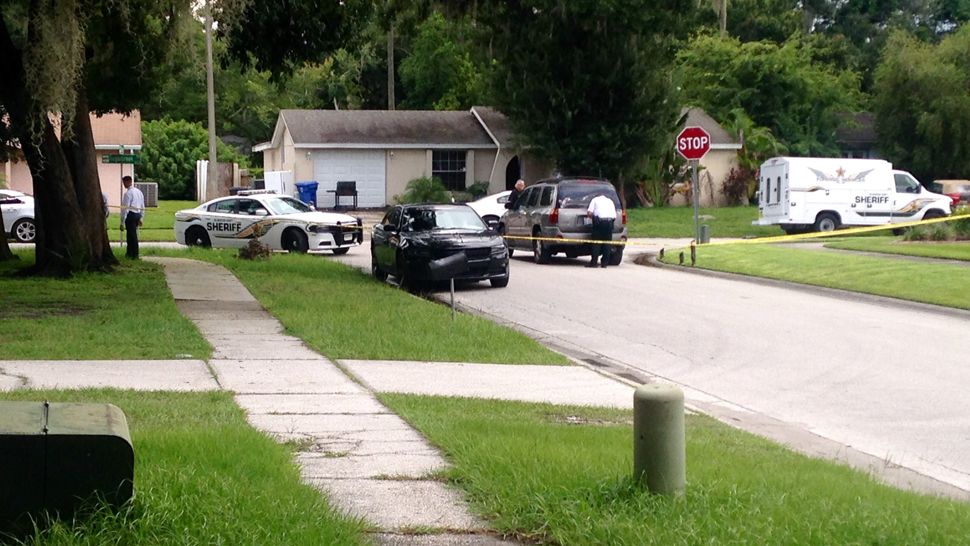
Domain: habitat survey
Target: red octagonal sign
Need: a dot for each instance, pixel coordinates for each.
(693, 142)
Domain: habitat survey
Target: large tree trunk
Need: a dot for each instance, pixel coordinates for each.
(65, 242)
(83, 162)
(5, 253)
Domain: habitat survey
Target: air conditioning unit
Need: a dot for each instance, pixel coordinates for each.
(150, 190)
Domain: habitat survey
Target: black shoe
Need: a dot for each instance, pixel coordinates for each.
(603, 265)
(591, 264)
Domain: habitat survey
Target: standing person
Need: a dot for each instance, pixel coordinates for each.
(104, 204)
(132, 211)
(516, 192)
(603, 212)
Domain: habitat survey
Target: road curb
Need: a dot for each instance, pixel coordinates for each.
(838, 293)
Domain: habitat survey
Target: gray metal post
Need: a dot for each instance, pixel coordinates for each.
(659, 441)
(695, 189)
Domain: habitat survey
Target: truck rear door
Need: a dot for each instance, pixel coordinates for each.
(773, 195)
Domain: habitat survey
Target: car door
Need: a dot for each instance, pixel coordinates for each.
(252, 216)
(517, 219)
(223, 223)
(907, 191)
(384, 240)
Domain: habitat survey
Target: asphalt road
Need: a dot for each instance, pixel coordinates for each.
(831, 374)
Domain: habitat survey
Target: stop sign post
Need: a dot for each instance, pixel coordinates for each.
(693, 143)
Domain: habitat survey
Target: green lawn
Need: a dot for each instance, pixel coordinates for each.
(941, 284)
(344, 313)
(678, 222)
(894, 245)
(547, 480)
(158, 224)
(202, 476)
(126, 314)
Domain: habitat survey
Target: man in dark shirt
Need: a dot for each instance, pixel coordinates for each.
(516, 192)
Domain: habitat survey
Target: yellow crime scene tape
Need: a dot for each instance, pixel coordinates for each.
(761, 240)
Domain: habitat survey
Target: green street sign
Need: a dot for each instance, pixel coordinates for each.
(120, 158)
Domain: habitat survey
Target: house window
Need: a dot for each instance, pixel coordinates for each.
(449, 167)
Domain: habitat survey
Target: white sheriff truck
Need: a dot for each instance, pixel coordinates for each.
(802, 194)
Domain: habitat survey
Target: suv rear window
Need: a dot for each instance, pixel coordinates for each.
(578, 196)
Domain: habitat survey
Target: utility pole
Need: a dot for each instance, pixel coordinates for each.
(212, 173)
(390, 66)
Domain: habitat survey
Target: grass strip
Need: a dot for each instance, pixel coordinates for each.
(894, 245)
(127, 314)
(562, 475)
(202, 476)
(678, 222)
(939, 284)
(159, 223)
(344, 313)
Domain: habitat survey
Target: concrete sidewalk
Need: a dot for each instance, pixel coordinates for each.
(367, 460)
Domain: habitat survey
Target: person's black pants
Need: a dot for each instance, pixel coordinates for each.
(602, 231)
(131, 227)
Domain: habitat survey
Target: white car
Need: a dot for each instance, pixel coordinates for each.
(17, 211)
(491, 207)
(280, 222)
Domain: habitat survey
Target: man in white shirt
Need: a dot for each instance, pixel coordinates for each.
(603, 212)
(132, 211)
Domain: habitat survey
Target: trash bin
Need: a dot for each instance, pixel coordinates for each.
(308, 192)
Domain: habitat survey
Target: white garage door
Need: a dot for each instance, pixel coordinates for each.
(366, 167)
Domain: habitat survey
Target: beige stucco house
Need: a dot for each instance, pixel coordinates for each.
(382, 150)
(113, 134)
(716, 165)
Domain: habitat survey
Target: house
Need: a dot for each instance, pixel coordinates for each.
(113, 134)
(382, 150)
(716, 165)
(856, 136)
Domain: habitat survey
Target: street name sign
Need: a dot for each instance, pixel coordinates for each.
(129, 159)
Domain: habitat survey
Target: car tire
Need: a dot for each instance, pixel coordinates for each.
(294, 240)
(931, 214)
(340, 251)
(196, 236)
(826, 222)
(616, 257)
(24, 231)
(540, 251)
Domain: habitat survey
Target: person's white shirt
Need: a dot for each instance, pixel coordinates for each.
(133, 201)
(603, 207)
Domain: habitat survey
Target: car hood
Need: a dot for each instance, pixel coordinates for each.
(453, 238)
(318, 217)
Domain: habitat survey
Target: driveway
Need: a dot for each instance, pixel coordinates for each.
(860, 376)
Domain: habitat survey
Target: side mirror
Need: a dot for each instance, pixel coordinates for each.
(492, 223)
(388, 227)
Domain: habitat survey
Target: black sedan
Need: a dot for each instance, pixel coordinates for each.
(438, 242)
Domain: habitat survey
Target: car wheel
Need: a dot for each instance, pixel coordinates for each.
(616, 257)
(295, 241)
(540, 251)
(341, 251)
(196, 236)
(826, 222)
(931, 214)
(24, 231)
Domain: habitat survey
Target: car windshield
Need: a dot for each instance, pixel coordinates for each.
(578, 196)
(460, 218)
(287, 205)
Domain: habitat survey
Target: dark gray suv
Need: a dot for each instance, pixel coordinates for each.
(556, 209)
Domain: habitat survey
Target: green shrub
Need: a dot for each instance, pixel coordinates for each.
(961, 228)
(478, 189)
(424, 190)
(255, 250)
(171, 148)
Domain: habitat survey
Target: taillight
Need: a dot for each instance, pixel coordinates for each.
(554, 216)
(955, 198)
(624, 217)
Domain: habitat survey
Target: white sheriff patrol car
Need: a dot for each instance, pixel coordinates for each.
(280, 222)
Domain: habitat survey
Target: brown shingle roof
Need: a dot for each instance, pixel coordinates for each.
(698, 117)
(385, 127)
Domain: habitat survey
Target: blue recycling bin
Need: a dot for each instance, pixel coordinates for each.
(308, 192)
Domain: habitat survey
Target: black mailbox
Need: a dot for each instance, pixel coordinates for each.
(55, 457)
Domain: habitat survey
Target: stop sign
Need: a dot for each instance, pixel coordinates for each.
(693, 142)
